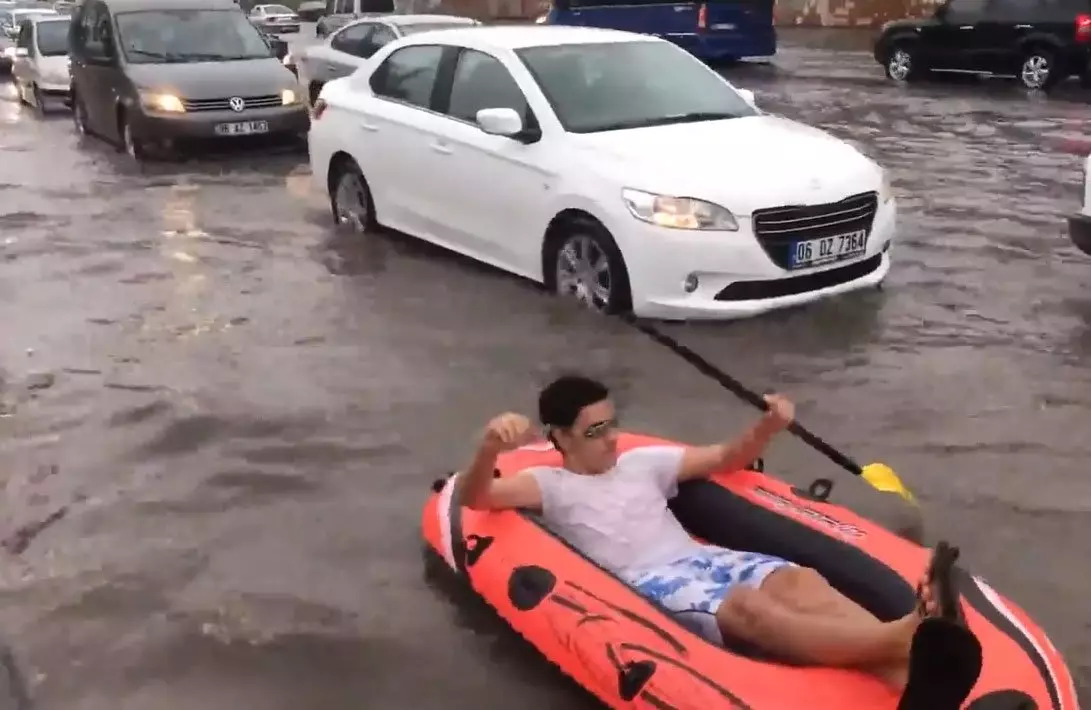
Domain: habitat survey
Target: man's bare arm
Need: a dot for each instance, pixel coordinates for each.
(479, 490)
(701, 461)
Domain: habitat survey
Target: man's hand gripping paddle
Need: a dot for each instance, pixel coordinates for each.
(880, 476)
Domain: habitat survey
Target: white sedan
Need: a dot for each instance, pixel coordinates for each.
(352, 45)
(611, 166)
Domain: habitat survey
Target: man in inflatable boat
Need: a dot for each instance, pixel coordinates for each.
(614, 510)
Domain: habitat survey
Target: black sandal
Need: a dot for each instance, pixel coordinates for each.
(942, 584)
(944, 666)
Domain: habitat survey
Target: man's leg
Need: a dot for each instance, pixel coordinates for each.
(757, 616)
(808, 592)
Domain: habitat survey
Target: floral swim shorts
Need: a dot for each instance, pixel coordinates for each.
(692, 588)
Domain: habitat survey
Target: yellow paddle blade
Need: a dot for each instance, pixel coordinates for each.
(882, 478)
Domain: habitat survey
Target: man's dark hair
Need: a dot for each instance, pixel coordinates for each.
(562, 399)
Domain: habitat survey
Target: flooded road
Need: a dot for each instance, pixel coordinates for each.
(244, 410)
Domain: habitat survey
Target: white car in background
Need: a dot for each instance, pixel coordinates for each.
(349, 47)
(41, 69)
(275, 18)
(1079, 225)
(607, 165)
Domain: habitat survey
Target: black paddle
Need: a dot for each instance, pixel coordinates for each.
(878, 475)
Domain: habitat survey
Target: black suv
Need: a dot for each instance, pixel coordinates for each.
(1039, 41)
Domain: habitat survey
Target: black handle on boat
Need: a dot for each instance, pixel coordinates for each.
(742, 392)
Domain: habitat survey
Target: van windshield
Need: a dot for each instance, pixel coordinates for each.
(52, 38)
(613, 86)
(174, 36)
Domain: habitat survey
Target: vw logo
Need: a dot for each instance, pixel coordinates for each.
(236, 104)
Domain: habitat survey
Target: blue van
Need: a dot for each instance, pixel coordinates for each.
(712, 30)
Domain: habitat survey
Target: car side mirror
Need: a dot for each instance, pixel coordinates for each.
(940, 12)
(747, 96)
(500, 122)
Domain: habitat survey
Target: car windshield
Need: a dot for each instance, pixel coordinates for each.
(618, 85)
(53, 38)
(277, 10)
(415, 27)
(170, 36)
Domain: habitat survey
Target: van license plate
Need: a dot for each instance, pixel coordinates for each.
(242, 128)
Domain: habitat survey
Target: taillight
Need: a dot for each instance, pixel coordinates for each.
(702, 17)
(318, 109)
(1083, 28)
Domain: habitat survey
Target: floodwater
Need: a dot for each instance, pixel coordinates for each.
(243, 410)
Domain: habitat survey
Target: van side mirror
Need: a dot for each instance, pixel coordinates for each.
(940, 12)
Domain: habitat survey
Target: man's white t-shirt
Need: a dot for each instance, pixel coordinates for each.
(619, 518)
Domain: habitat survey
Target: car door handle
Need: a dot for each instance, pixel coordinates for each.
(369, 126)
(441, 148)
(1024, 27)
(966, 27)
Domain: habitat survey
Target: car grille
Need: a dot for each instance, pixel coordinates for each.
(779, 228)
(250, 102)
(758, 290)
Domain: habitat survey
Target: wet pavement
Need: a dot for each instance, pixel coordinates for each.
(243, 410)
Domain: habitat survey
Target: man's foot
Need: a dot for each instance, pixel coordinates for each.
(944, 665)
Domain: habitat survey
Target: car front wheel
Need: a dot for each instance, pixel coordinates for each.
(583, 261)
(901, 65)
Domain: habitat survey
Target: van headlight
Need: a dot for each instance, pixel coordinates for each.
(678, 212)
(288, 97)
(167, 103)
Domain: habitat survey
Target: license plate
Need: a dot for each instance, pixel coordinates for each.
(814, 252)
(242, 128)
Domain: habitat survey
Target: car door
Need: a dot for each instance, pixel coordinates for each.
(1006, 23)
(93, 61)
(22, 67)
(395, 125)
(493, 188)
(952, 42)
(345, 52)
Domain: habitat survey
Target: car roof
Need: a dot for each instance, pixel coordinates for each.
(152, 5)
(522, 36)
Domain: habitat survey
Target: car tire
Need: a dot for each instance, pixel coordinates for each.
(901, 63)
(350, 196)
(130, 144)
(576, 255)
(1039, 70)
(39, 102)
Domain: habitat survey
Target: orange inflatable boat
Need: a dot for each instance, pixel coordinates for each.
(631, 654)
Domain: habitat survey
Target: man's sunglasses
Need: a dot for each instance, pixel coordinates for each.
(600, 429)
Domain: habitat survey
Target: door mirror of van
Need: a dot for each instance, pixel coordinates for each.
(748, 96)
(500, 122)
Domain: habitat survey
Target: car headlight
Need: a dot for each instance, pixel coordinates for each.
(286, 60)
(167, 103)
(678, 212)
(288, 97)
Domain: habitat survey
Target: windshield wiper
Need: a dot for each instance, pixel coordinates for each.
(691, 117)
(208, 57)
